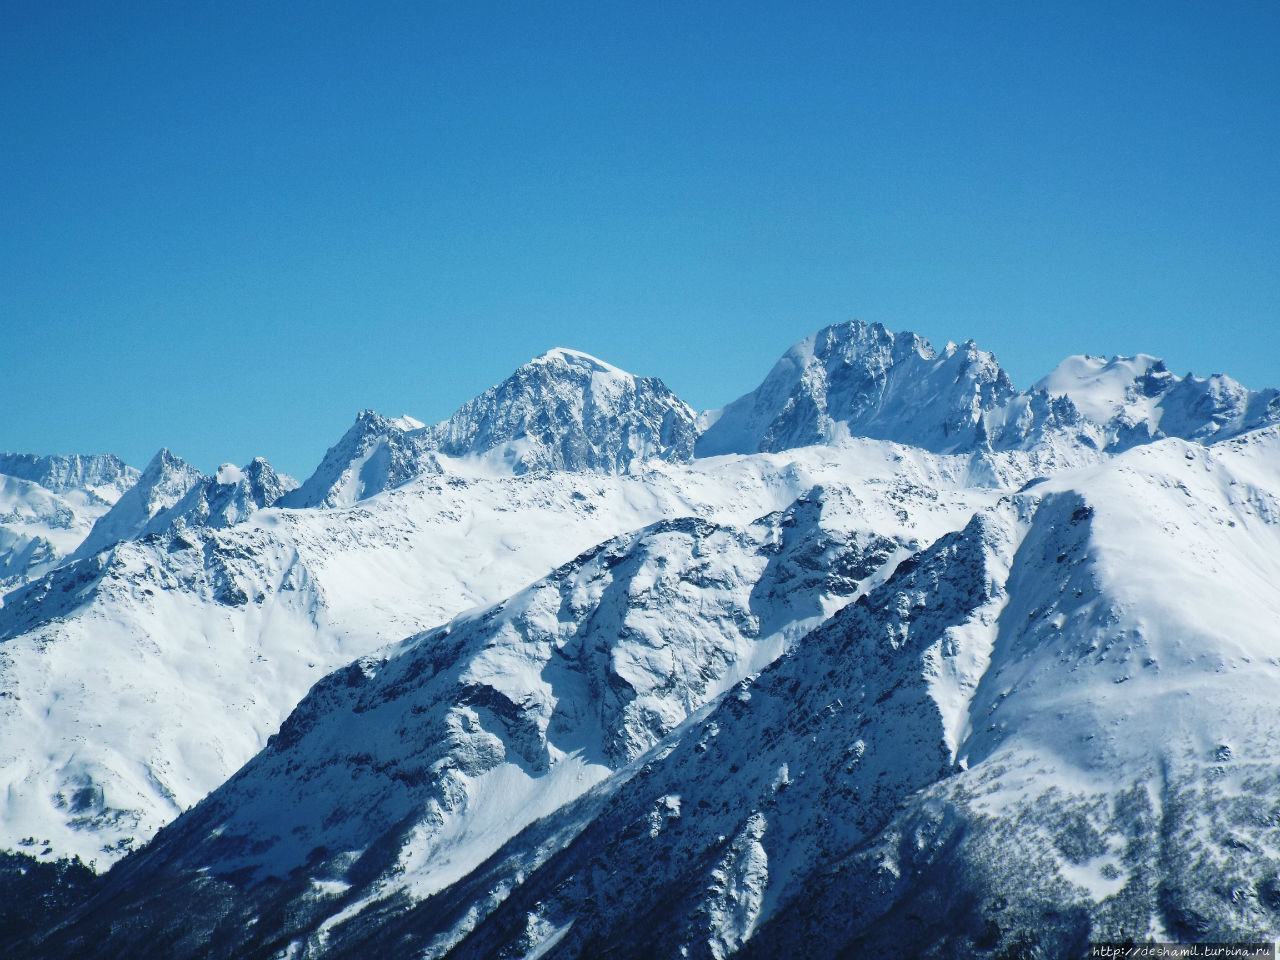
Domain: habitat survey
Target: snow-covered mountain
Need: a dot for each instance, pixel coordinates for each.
(220, 631)
(857, 379)
(163, 482)
(903, 659)
(49, 504)
(102, 475)
(1020, 743)
(456, 739)
(566, 410)
(1137, 399)
(376, 454)
(1042, 729)
(233, 494)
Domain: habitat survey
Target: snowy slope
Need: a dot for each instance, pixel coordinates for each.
(48, 506)
(1101, 703)
(418, 765)
(143, 676)
(1136, 399)
(1046, 728)
(1118, 774)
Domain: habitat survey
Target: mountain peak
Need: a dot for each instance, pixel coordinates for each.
(407, 423)
(576, 358)
(375, 454)
(225, 498)
(164, 460)
(165, 480)
(858, 379)
(568, 410)
(1135, 399)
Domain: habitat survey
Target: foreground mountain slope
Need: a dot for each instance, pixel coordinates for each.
(1118, 776)
(141, 677)
(1045, 730)
(1013, 680)
(420, 765)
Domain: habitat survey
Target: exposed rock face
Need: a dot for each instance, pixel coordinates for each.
(566, 410)
(163, 482)
(858, 379)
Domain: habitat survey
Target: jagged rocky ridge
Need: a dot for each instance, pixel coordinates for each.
(564, 410)
(569, 411)
(1084, 413)
(48, 505)
(859, 379)
(103, 475)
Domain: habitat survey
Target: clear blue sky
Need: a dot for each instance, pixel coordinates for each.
(227, 227)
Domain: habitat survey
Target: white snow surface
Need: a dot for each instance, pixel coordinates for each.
(1100, 389)
(895, 618)
(1136, 399)
(1057, 673)
(140, 679)
(48, 505)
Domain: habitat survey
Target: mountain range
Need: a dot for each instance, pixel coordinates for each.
(884, 656)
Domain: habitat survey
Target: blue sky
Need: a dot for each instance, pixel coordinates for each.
(230, 226)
